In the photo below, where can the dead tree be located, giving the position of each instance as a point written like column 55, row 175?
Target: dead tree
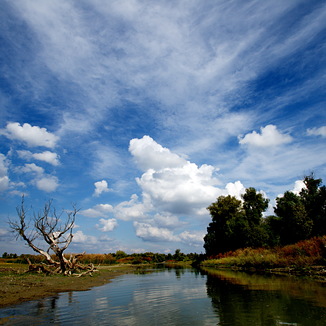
column 53, row 231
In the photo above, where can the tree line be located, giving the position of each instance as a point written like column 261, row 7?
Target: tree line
column 240, row 223
column 118, row 257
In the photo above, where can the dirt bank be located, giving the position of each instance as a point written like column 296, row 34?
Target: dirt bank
column 18, row 286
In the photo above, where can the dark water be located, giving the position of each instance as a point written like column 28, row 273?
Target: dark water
column 181, row 297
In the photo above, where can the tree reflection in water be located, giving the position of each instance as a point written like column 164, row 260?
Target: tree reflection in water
column 246, row 299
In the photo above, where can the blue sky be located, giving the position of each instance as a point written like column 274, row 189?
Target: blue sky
column 142, row 113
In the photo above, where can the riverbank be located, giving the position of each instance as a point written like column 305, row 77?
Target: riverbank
column 18, row 286
column 305, row 258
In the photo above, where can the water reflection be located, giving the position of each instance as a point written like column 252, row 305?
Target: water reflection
column 246, row 299
column 180, row 297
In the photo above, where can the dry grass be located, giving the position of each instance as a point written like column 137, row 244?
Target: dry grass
column 300, row 255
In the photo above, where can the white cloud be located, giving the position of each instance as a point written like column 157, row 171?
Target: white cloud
column 80, row 237
column 180, row 189
column 298, row 186
column 4, row 179
column 108, row 225
column 193, row 238
column 151, row 232
column 126, row 210
column 173, row 185
column 47, row 183
column 147, row 232
column 235, row 189
column 321, row 131
column 132, row 209
column 26, row 155
column 100, row 187
column 3, row 232
column 49, row 157
column 151, row 155
column 43, row 181
column 168, row 221
column 170, row 182
column 46, row 156
column 32, row 168
column 268, row 137
column 4, row 183
column 101, row 210
column 31, row 135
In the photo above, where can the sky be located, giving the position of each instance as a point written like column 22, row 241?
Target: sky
column 143, row 113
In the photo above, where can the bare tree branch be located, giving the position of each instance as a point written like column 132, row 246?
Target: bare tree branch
column 55, row 232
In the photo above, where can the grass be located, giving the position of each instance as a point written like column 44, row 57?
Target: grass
column 301, row 255
column 18, row 286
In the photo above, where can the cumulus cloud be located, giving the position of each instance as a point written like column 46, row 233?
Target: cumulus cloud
column 151, row 232
column 195, row 238
column 321, row 131
column 4, row 179
column 46, row 156
column 42, row 181
column 31, row 135
column 170, row 182
column 101, row 210
column 235, row 189
column 47, row 183
column 171, row 185
column 132, row 209
column 108, row 225
column 151, row 155
column 168, row 221
column 32, row 168
column 80, row 237
column 147, row 232
column 268, row 137
column 298, row 186
column 100, row 187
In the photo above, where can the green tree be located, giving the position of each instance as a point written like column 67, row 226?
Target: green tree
column 313, row 197
column 254, row 204
column 295, row 224
column 236, row 224
column 178, row 255
column 226, row 212
column 120, row 254
column 272, row 227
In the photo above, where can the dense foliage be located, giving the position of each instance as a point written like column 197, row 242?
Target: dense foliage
column 240, row 223
column 235, row 223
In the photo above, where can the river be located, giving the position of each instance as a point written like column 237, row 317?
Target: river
column 181, row 297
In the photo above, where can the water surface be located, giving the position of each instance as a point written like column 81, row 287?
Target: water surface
column 181, row 297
